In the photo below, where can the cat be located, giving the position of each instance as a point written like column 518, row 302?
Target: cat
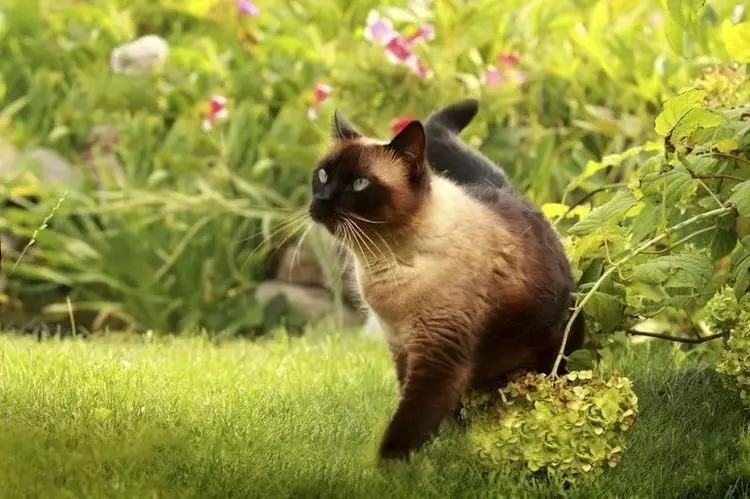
column 449, row 156
column 469, row 282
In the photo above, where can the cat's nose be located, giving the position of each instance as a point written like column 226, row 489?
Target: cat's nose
column 320, row 208
column 323, row 195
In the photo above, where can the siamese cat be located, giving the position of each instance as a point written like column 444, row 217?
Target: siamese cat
column 467, row 279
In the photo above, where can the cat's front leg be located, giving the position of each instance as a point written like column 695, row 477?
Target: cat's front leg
column 436, row 375
column 398, row 353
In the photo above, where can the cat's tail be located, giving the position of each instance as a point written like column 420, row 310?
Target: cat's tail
column 454, row 117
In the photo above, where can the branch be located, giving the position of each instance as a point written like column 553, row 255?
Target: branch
column 587, row 197
column 731, row 156
column 681, row 241
column 678, row 339
column 697, row 176
column 631, row 254
column 709, row 177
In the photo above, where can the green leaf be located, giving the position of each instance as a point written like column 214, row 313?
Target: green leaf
column 741, row 270
column 675, row 36
column 605, row 308
column 554, row 210
column 646, row 222
column 693, row 120
column 737, row 40
column 681, row 19
column 677, row 107
column 723, row 243
column 611, row 160
column 740, row 198
column 645, row 297
column 726, row 145
column 608, row 213
column 676, row 183
column 580, row 360
column 684, row 13
column 676, row 271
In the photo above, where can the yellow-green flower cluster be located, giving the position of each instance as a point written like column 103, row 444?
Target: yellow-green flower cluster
column 572, row 427
column 726, row 313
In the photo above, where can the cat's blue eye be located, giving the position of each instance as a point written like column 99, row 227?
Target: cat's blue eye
column 322, row 176
column 360, row 184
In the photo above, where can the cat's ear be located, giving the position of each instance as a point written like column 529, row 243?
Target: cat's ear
column 342, row 129
column 410, row 143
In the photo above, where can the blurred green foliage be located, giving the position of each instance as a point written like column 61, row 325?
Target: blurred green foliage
column 175, row 246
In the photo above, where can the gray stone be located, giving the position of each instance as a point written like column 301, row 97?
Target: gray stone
column 49, row 166
column 313, row 302
column 146, row 54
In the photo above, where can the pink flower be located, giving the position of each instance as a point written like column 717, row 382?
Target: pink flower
column 217, row 111
column 418, row 68
column 508, row 58
column 398, row 51
column 321, row 92
column 248, row 8
column 379, row 30
column 398, row 48
column 426, row 32
column 399, row 124
column 492, row 77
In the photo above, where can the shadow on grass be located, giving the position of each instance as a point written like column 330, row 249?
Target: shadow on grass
column 686, row 441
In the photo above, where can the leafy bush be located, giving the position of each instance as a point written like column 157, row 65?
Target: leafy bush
column 675, row 230
column 728, row 314
column 573, row 427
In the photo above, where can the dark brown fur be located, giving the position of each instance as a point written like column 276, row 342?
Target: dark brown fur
column 469, row 283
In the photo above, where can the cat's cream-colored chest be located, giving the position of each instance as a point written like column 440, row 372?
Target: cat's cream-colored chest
column 404, row 293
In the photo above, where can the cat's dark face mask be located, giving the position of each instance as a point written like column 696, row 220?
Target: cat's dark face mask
column 364, row 183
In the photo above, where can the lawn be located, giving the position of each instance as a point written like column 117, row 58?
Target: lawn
column 190, row 417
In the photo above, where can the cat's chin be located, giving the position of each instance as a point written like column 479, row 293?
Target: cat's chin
column 330, row 225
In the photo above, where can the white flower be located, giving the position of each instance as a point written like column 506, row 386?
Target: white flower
column 140, row 56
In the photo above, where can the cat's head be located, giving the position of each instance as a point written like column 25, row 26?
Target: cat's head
column 375, row 185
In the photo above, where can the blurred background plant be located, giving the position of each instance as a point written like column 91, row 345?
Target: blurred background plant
column 174, row 139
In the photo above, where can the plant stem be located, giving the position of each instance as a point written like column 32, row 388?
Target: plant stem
column 38, row 230
column 587, row 197
column 631, row 254
column 725, row 177
column 678, row 339
column 681, row 241
column 734, row 157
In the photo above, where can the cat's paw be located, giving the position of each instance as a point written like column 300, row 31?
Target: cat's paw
column 393, row 450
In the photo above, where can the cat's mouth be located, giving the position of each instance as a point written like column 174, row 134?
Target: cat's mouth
column 330, row 219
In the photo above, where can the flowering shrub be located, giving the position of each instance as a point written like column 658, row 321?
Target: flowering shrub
column 725, row 313
column 398, row 48
column 572, row 428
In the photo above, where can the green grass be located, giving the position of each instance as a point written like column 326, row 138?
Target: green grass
column 302, row 418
